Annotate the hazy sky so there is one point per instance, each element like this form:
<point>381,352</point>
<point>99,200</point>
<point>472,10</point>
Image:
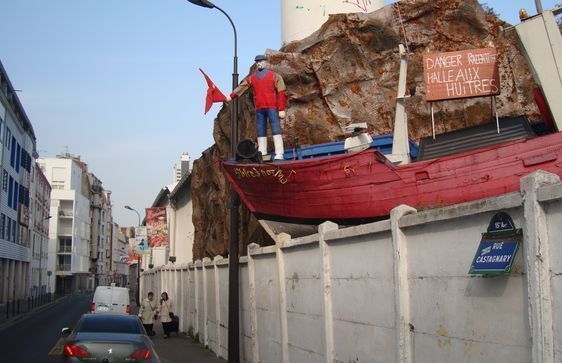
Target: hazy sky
<point>117,81</point>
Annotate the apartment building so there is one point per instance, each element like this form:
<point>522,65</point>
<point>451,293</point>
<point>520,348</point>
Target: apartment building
<point>101,231</point>
<point>70,224</point>
<point>39,222</point>
<point>17,152</point>
<point>182,167</point>
<point>119,256</point>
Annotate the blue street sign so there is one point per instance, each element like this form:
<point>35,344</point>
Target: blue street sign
<point>495,256</point>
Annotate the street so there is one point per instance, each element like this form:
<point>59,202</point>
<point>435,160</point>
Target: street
<point>31,338</point>
<point>36,337</point>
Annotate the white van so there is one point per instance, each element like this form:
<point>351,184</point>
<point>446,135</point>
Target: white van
<point>111,299</point>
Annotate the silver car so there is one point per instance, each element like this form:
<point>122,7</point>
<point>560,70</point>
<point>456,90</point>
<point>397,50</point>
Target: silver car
<point>108,338</point>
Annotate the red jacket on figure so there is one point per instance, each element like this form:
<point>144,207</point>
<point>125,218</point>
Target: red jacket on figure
<point>269,90</point>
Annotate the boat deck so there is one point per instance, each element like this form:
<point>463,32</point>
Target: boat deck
<point>475,137</point>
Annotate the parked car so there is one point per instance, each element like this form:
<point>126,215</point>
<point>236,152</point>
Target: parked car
<point>111,299</point>
<point>108,338</point>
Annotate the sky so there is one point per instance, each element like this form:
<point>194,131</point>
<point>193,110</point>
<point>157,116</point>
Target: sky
<point>117,81</point>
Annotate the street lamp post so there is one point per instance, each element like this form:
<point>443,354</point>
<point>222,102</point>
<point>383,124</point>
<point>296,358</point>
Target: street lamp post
<point>233,284</point>
<point>139,260</point>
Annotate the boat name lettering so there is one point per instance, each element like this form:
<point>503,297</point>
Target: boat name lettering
<point>281,175</point>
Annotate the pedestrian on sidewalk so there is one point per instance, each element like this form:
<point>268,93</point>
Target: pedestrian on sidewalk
<point>147,313</point>
<point>166,314</point>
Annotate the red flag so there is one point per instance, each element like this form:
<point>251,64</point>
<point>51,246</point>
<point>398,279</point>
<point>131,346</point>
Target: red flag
<point>213,93</point>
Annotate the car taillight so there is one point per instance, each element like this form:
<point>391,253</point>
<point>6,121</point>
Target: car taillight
<point>128,309</point>
<point>71,350</point>
<point>143,354</point>
<point>93,307</point>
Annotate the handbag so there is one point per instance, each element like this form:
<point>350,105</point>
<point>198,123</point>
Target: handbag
<point>171,315</point>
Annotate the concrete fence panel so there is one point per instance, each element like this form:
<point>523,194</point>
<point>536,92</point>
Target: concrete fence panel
<point>397,290</point>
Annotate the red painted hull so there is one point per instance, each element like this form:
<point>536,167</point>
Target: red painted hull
<point>366,186</point>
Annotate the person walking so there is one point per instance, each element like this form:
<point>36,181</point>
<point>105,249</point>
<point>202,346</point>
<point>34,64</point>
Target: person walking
<point>166,314</point>
<point>147,313</point>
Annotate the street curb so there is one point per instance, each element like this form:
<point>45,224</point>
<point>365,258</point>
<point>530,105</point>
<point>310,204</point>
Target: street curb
<point>13,321</point>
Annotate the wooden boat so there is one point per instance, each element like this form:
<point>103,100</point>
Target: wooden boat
<point>462,166</point>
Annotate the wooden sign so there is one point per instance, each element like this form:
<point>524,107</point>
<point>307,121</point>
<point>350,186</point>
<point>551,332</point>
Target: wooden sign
<point>461,74</point>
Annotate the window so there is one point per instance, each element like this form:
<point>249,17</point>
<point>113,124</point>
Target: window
<point>5,181</point>
<point>13,152</point>
<point>18,157</point>
<point>2,226</point>
<point>14,231</point>
<point>10,191</point>
<point>16,195</point>
<point>8,228</point>
<point>7,138</point>
<point>64,262</point>
<point>65,245</point>
<point>101,323</point>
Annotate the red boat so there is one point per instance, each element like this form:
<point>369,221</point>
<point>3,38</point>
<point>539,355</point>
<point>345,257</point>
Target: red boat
<point>457,167</point>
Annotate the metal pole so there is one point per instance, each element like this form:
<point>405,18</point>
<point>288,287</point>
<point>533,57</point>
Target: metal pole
<point>538,5</point>
<point>138,279</point>
<point>233,273</point>
<point>139,258</point>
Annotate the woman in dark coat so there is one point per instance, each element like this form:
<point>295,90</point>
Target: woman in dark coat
<point>166,314</point>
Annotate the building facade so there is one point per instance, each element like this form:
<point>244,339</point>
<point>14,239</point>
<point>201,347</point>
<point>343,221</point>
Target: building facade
<point>180,221</point>
<point>119,257</point>
<point>181,168</point>
<point>70,225</point>
<point>17,152</point>
<point>39,222</point>
<point>101,231</point>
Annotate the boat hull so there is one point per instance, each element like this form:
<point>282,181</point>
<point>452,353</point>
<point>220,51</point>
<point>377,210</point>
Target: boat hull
<point>366,186</point>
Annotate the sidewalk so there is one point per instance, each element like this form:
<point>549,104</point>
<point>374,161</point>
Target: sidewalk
<point>180,348</point>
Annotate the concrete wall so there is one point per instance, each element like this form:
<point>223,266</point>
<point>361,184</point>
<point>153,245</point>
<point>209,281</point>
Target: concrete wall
<point>392,291</point>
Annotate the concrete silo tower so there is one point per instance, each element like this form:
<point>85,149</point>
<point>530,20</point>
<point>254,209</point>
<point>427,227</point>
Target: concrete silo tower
<point>300,18</point>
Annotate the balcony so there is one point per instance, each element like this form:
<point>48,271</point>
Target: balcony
<point>64,249</point>
<point>63,267</point>
<point>65,213</point>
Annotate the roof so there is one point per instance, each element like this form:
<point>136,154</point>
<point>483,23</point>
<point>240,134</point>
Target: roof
<point>19,110</point>
<point>185,182</point>
<point>161,198</point>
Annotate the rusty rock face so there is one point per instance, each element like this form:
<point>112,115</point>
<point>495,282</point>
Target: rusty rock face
<point>348,72</point>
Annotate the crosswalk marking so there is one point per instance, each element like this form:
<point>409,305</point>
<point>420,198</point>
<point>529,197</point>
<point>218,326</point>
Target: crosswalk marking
<point>58,348</point>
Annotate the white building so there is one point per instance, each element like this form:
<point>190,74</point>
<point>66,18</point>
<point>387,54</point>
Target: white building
<point>180,221</point>
<point>69,230</point>
<point>300,18</point>
<point>39,223</point>
<point>17,150</point>
<point>181,168</point>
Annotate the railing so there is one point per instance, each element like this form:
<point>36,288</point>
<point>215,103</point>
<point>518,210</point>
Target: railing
<point>65,231</point>
<point>63,267</point>
<point>65,213</point>
<point>13,308</point>
<point>65,249</point>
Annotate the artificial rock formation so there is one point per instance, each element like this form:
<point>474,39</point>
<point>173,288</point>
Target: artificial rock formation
<point>348,72</point>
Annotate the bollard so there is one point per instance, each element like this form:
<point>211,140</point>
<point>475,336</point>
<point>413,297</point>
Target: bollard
<point>13,308</point>
<point>7,309</point>
<point>19,306</point>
